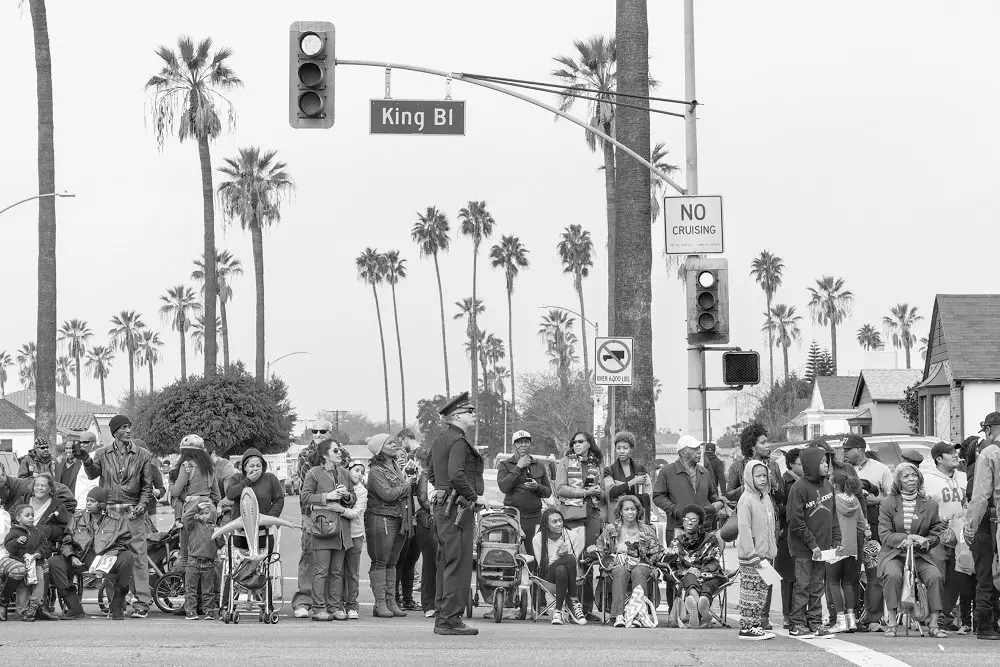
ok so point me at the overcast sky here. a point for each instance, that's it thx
(860, 142)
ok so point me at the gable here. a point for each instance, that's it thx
(12, 418)
(969, 336)
(837, 391)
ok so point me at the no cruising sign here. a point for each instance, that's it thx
(614, 361)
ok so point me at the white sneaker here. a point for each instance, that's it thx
(556, 618)
(429, 613)
(619, 621)
(352, 614)
(301, 612)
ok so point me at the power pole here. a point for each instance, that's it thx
(336, 417)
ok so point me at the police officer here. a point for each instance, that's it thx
(456, 473)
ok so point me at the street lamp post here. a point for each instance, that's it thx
(48, 194)
(290, 354)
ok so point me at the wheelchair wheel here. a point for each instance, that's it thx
(168, 594)
(498, 596)
(102, 601)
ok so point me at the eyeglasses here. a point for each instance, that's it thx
(691, 519)
(322, 431)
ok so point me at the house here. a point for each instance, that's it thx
(17, 430)
(831, 405)
(877, 398)
(73, 415)
(961, 375)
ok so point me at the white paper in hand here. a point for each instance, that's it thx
(769, 574)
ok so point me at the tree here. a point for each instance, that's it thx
(812, 362)
(554, 411)
(99, 362)
(75, 334)
(429, 417)
(5, 363)
(27, 361)
(560, 342)
(179, 303)
(511, 256)
(826, 367)
(658, 186)
(766, 269)
(782, 326)
(576, 253)
(257, 186)
(45, 377)
(923, 348)
(430, 233)
(198, 334)
(779, 403)
(477, 223)
(227, 268)
(465, 312)
(830, 303)
(148, 352)
(371, 271)
(395, 270)
(64, 369)
(908, 406)
(187, 99)
(869, 338)
(899, 325)
(125, 338)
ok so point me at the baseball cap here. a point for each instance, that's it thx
(688, 442)
(941, 448)
(520, 435)
(854, 441)
(992, 419)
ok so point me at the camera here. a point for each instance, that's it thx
(411, 468)
(590, 480)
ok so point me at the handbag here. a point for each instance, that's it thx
(324, 522)
(730, 530)
(251, 574)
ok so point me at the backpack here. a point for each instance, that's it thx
(639, 611)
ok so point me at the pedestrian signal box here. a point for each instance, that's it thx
(707, 300)
(740, 368)
(311, 66)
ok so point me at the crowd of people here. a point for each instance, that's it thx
(837, 523)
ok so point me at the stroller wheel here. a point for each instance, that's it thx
(168, 593)
(274, 617)
(262, 617)
(523, 613)
(226, 617)
(498, 596)
(236, 617)
(470, 604)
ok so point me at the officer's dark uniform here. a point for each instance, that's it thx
(455, 464)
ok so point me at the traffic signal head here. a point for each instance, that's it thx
(707, 300)
(740, 368)
(311, 66)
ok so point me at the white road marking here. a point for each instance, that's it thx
(852, 653)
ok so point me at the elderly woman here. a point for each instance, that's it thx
(625, 476)
(326, 491)
(908, 517)
(697, 555)
(631, 548)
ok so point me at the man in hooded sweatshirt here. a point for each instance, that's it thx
(812, 529)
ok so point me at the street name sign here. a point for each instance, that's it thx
(600, 409)
(613, 356)
(693, 224)
(444, 117)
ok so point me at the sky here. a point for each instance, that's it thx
(859, 142)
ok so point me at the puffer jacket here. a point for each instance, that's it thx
(756, 520)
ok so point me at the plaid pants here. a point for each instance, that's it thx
(753, 593)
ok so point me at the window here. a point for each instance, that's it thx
(815, 430)
(866, 429)
(6, 445)
(942, 416)
(996, 401)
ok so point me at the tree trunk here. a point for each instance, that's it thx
(609, 195)
(77, 357)
(45, 387)
(784, 351)
(770, 342)
(257, 237)
(472, 346)
(583, 326)
(149, 362)
(180, 331)
(510, 349)
(131, 374)
(907, 348)
(225, 333)
(211, 280)
(399, 349)
(444, 337)
(833, 346)
(103, 402)
(635, 408)
(385, 367)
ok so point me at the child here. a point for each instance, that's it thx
(812, 528)
(697, 553)
(199, 522)
(842, 576)
(755, 542)
(195, 479)
(352, 560)
(26, 543)
(12, 570)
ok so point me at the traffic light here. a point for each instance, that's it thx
(311, 65)
(740, 368)
(707, 300)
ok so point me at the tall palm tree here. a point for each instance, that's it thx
(782, 326)
(5, 363)
(257, 186)
(75, 334)
(395, 270)
(560, 342)
(227, 268)
(99, 362)
(148, 352)
(371, 271)
(922, 349)
(125, 337)
(179, 303)
(576, 250)
(430, 233)
(492, 350)
(899, 324)
(511, 256)
(64, 369)
(477, 223)
(766, 268)
(465, 312)
(46, 322)
(657, 185)
(869, 338)
(27, 362)
(830, 303)
(187, 99)
(198, 334)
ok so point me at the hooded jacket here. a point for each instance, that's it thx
(811, 509)
(949, 494)
(756, 519)
(852, 522)
(268, 489)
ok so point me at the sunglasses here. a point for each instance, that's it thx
(580, 442)
(322, 431)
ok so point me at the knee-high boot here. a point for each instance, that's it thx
(390, 592)
(377, 579)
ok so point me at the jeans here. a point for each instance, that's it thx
(303, 596)
(809, 581)
(529, 527)
(327, 584)
(140, 564)
(623, 581)
(842, 582)
(352, 567)
(405, 567)
(385, 542)
(958, 584)
(563, 571)
(199, 571)
(983, 546)
(428, 568)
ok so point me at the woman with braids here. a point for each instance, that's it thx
(195, 479)
(557, 550)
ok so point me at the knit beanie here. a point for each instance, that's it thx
(376, 442)
(98, 493)
(117, 422)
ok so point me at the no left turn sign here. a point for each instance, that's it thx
(614, 361)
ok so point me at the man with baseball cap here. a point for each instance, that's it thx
(68, 467)
(524, 482)
(979, 532)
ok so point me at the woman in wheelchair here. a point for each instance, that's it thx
(907, 516)
(557, 551)
(629, 549)
(695, 554)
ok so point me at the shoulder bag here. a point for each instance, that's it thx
(324, 521)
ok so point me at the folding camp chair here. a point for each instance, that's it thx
(542, 589)
(604, 566)
(721, 596)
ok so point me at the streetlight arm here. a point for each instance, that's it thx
(48, 194)
(596, 327)
(283, 356)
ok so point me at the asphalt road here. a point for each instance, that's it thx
(175, 641)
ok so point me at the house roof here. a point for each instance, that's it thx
(970, 324)
(74, 421)
(13, 418)
(886, 384)
(65, 404)
(837, 391)
(864, 414)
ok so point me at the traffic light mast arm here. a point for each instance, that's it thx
(485, 84)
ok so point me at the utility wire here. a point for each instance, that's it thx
(588, 90)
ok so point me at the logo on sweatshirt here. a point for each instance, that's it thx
(814, 507)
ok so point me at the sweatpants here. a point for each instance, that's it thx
(810, 577)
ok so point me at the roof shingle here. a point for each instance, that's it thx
(886, 384)
(971, 327)
(837, 391)
(74, 421)
(65, 404)
(13, 418)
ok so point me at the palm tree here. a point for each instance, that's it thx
(465, 312)
(178, 304)
(99, 361)
(27, 361)
(576, 252)
(782, 326)
(560, 342)
(75, 334)
(766, 268)
(899, 325)
(371, 271)
(227, 268)
(430, 233)
(510, 255)
(64, 369)
(148, 350)
(125, 337)
(657, 185)
(477, 223)
(830, 303)
(869, 338)
(922, 349)
(395, 270)
(257, 186)
(198, 334)
(5, 363)
(187, 99)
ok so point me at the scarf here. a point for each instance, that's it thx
(909, 505)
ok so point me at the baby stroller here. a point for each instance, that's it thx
(500, 561)
(253, 577)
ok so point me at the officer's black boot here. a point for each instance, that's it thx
(984, 627)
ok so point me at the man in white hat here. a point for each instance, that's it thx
(524, 482)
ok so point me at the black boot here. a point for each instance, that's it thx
(72, 609)
(984, 627)
(9, 587)
(117, 605)
(43, 614)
